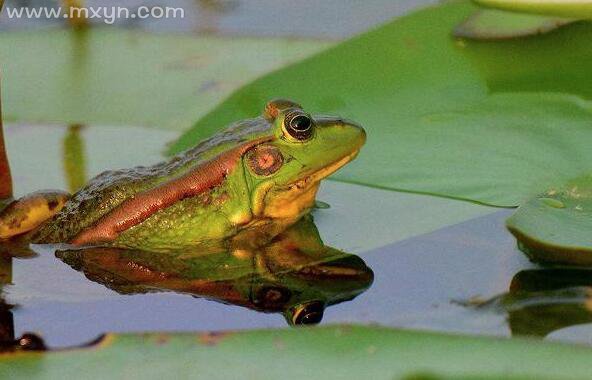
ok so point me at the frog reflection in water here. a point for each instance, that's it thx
(295, 273)
(541, 301)
(259, 175)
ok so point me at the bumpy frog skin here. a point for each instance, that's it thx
(258, 174)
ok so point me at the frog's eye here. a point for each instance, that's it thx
(265, 160)
(299, 125)
(310, 313)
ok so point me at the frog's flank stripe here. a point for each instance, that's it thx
(139, 208)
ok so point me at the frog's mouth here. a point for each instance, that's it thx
(322, 173)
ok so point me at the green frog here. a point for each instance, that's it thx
(260, 174)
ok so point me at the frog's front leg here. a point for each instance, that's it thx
(26, 213)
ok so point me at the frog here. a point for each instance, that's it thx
(246, 183)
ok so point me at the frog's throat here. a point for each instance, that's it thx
(296, 198)
(135, 210)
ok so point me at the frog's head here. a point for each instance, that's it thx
(284, 173)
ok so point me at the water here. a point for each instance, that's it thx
(416, 282)
(423, 275)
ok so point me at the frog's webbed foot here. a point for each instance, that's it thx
(26, 213)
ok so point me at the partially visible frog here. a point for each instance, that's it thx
(259, 174)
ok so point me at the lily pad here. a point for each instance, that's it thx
(436, 120)
(561, 8)
(344, 352)
(500, 25)
(555, 226)
(125, 77)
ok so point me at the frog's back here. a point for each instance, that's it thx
(109, 189)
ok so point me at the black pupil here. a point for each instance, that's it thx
(311, 314)
(310, 318)
(299, 126)
(300, 123)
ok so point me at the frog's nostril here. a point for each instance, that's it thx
(356, 131)
(362, 134)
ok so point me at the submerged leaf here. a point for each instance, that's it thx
(556, 226)
(499, 25)
(125, 77)
(435, 121)
(74, 158)
(541, 302)
(559, 8)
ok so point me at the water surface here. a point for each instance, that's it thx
(424, 274)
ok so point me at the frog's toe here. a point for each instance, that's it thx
(28, 212)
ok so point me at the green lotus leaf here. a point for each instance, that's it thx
(499, 25)
(555, 226)
(123, 77)
(455, 118)
(560, 8)
(336, 352)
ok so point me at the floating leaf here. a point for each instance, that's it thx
(560, 8)
(322, 205)
(434, 120)
(499, 25)
(556, 226)
(344, 352)
(118, 76)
